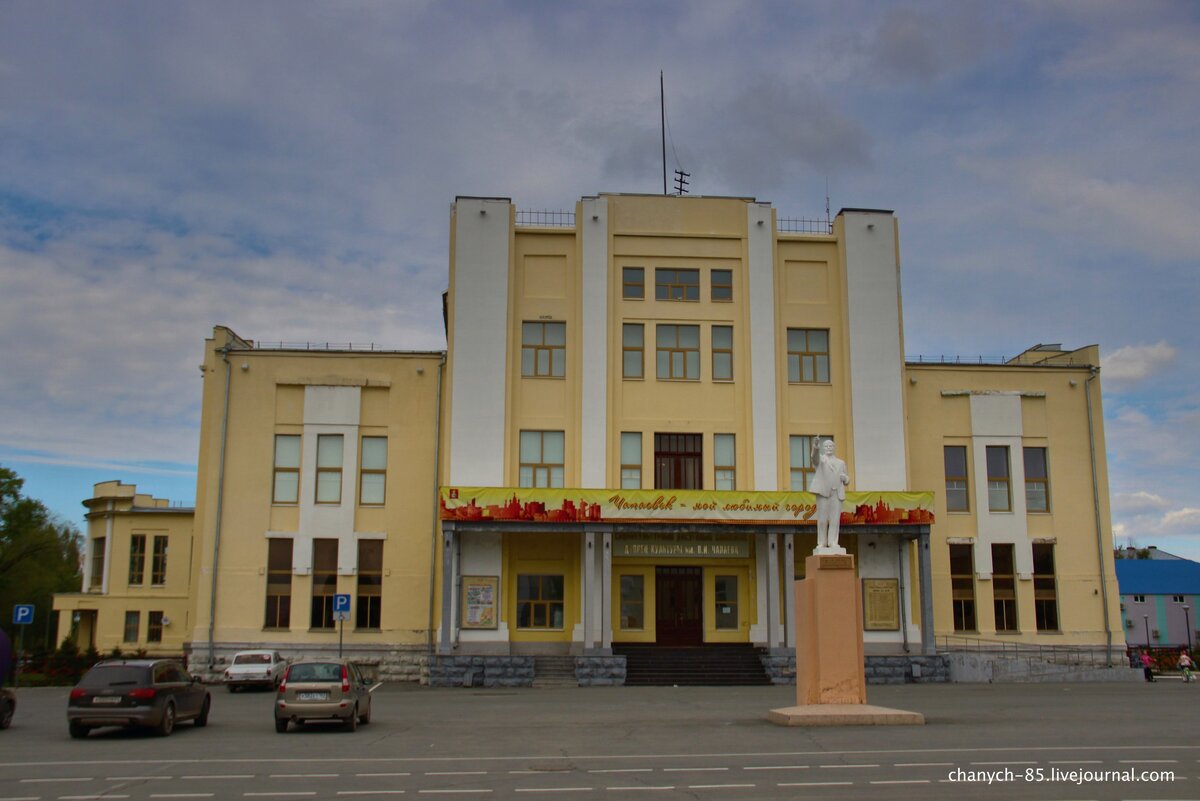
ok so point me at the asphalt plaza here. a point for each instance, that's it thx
(1052, 741)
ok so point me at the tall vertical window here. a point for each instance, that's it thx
(137, 558)
(722, 285)
(541, 459)
(725, 595)
(633, 350)
(962, 587)
(672, 284)
(1045, 593)
(372, 474)
(722, 353)
(999, 486)
(154, 627)
(1004, 587)
(324, 583)
(1037, 481)
(633, 603)
(97, 580)
(287, 468)
(633, 283)
(370, 584)
(724, 462)
(132, 624)
(631, 460)
(279, 584)
(800, 451)
(544, 350)
(678, 352)
(957, 493)
(329, 468)
(678, 461)
(539, 602)
(808, 356)
(158, 567)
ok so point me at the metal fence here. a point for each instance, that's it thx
(1080, 655)
(546, 219)
(803, 225)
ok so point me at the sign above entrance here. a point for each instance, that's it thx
(494, 504)
(700, 546)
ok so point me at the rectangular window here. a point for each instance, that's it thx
(158, 567)
(279, 584)
(633, 603)
(722, 352)
(539, 602)
(1004, 587)
(137, 558)
(957, 493)
(1178, 599)
(97, 581)
(999, 494)
(541, 459)
(372, 474)
(544, 350)
(808, 356)
(726, 597)
(631, 460)
(1037, 481)
(1045, 594)
(678, 352)
(633, 283)
(324, 583)
(133, 621)
(287, 468)
(672, 284)
(800, 446)
(370, 584)
(724, 462)
(678, 461)
(962, 587)
(1139, 599)
(722, 285)
(633, 350)
(154, 627)
(329, 468)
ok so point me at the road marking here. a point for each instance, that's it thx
(719, 786)
(1148, 761)
(847, 766)
(642, 787)
(371, 792)
(693, 770)
(1075, 762)
(1002, 763)
(924, 764)
(134, 778)
(88, 797)
(226, 776)
(777, 767)
(304, 775)
(283, 793)
(381, 775)
(900, 781)
(181, 795)
(456, 773)
(57, 779)
(622, 770)
(814, 784)
(554, 789)
(21, 798)
(452, 792)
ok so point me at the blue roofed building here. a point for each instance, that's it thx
(1158, 601)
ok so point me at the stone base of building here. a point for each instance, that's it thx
(481, 671)
(780, 667)
(600, 671)
(391, 663)
(844, 715)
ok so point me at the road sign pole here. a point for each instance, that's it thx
(341, 627)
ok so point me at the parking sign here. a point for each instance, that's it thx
(23, 614)
(341, 606)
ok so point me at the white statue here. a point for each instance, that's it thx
(829, 485)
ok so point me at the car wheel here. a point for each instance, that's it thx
(352, 721)
(281, 725)
(232, 688)
(202, 719)
(365, 717)
(167, 725)
(78, 730)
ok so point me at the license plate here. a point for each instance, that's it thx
(312, 696)
(107, 699)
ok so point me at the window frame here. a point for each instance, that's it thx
(541, 464)
(543, 602)
(281, 470)
(673, 458)
(278, 612)
(633, 290)
(962, 588)
(329, 470)
(158, 565)
(690, 357)
(1045, 590)
(726, 350)
(1004, 590)
(998, 482)
(628, 467)
(368, 596)
(1042, 481)
(639, 348)
(798, 354)
(722, 620)
(321, 610)
(137, 559)
(555, 367)
(726, 286)
(154, 626)
(669, 282)
(729, 470)
(631, 602)
(96, 574)
(364, 471)
(965, 478)
(133, 617)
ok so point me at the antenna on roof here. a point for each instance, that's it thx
(662, 107)
(828, 221)
(681, 182)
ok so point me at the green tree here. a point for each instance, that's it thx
(39, 556)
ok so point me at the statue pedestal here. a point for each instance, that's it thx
(831, 688)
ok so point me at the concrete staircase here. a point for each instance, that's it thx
(554, 671)
(706, 665)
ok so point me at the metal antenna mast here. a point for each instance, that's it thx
(662, 105)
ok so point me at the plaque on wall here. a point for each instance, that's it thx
(479, 602)
(881, 604)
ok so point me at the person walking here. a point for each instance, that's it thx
(1185, 665)
(1147, 665)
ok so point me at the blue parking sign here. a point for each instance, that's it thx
(341, 602)
(22, 614)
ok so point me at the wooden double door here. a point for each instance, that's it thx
(679, 605)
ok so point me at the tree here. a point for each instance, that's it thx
(39, 556)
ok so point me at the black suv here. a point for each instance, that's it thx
(137, 692)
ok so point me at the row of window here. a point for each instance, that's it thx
(540, 602)
(676, 284)
(1037, 479)
(137, 561)
(1004, 588)
(677, 352)
(372, 469)
(133, 625)
(368, 597)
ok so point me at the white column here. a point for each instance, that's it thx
(593, 445)
(760, 268)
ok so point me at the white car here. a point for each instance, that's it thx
(255, 669)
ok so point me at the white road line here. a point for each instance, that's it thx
(87, 797)
(135, 778)
(693, 770)
(1075, 762)
(924, 764)
(57, 779)
(456, 773)
(554, 789)
(777, 767)
(381, 775)
(621, 770)
(719, 786)
(226, 776)
(303, 775)
(452, 792)
(371, 792)
(21, 798)
(281, 794)
(900, 781)
(847, 766)
(1148, 761)
(642, 787)
(1006, 762)
(182, 795)
(814, 784)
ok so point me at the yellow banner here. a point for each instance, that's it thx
(709, 506)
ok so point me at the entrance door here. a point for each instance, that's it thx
(679, 594)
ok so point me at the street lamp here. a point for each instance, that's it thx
(1146, 623)
(1187, 626)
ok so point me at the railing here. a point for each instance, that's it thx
(546, 219)
(361, 346)
(1078, 655)
(803, 225)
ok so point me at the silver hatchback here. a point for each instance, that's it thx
(332, 689)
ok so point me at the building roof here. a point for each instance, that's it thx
(1158, 576)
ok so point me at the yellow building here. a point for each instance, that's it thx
(137, 577)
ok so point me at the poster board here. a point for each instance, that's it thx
(480, 602)
(881, 604)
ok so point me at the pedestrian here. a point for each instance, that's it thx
(1146, 666)
(1185, 665)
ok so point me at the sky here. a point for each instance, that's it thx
(287, 169)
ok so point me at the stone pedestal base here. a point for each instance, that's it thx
(844, 715)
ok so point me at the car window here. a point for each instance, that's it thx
(162, 674)
(252, 659)
(175, 673)
(315, 671)
(115, 676)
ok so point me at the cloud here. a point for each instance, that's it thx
(1134, 363)
(1186, 518)
(1135, 502)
